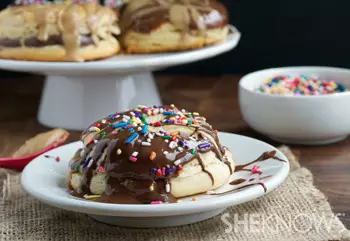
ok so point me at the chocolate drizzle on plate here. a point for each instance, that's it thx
(238, 181)
(242, 180)
(265, 156)
(135, 154)
(254, 180)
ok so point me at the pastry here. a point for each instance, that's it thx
(171, 25)
(58, 32)
(149, 155)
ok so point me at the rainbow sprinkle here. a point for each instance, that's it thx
(120, 124)
(86, 163)
(204, 146)
(133, 159)
(299, 86)
(143, 119)
(132, 137)
(152, 156)
(255, 169)
(144, 129)
(91, 196)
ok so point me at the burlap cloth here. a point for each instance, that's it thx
(295, 211)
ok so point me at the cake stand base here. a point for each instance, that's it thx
(75, 102)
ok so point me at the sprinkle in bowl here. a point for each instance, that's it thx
(297, 119)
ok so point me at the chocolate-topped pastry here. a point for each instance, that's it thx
(149, 155)
(171, 25)
(58, 32)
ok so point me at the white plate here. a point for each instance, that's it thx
(45, 179)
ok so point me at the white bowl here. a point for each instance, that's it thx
(310, 120)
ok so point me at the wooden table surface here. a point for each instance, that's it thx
(214, 97)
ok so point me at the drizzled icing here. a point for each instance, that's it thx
(70, 22)
(253, 180)
(146, 15)
(139, 173)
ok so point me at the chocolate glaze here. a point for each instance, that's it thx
(265, 156)
(238, 181)
(204, 170)
(242, 180)
(247, 185)
(138, 182)
(35, 42)
(186, 15)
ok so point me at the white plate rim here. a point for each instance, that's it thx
(132, 210)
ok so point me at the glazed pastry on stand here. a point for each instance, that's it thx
(58, 32)
(150, 26)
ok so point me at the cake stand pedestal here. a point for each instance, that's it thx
(77, 101)
(77, 94)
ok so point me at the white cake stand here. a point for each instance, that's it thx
(77, 94)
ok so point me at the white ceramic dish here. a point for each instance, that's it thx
(46, 180)
(297, 119)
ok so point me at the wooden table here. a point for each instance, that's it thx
(214, 97)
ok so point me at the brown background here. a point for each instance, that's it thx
(213, 97)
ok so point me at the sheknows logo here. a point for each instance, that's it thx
(258, 223)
